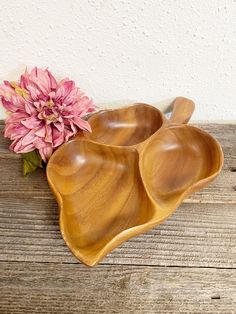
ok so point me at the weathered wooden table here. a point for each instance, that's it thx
(185, 265)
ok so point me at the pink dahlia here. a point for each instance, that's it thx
(44, 113)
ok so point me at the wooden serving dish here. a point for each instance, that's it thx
(128, 175)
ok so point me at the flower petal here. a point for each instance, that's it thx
(29, 108)
(82, 124)
(8, 105)
(39, 142)
(16, 117)
(34, 92)
(41, 131)
(68, 134)
(52, 79)
(28, 138)
(45, 153)
(64, 89)
(58, 137)
(17, 147)
(31, 122)
(14, 132)
(59, 126)
(48, 133)
(7, 90)
(41, 79)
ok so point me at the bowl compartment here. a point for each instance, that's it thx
(125, 127)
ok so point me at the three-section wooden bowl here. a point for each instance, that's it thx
(128, 175)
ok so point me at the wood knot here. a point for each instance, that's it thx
(215, 297)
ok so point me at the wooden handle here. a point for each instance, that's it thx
(183, 109)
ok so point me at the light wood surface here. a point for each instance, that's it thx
(128, 175)
(185, 265)
(70, 288)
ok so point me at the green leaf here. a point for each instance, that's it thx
(32, 161)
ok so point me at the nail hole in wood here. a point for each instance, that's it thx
(215, 297)
(234, 188)
(233, 169)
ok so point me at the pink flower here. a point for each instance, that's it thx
(44, 113)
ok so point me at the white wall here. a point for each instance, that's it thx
(131, 49)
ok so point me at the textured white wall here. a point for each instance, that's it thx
(128, 49)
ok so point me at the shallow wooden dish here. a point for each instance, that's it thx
(128, 175)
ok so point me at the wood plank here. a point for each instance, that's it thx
(196, 235)
(222, 190)
(13, 184)
(225, 133)
(59, 288)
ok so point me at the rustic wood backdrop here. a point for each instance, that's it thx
(185, 265)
